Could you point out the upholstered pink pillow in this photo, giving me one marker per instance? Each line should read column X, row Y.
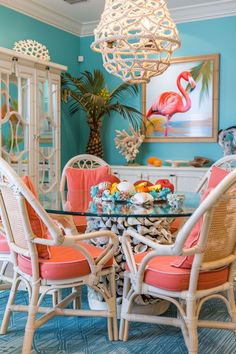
column 84, row 179
column 37, row 225
column 216, row 176
column 186, row 261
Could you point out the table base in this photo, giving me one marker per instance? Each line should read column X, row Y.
column 157, row 230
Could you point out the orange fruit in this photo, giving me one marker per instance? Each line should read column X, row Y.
column 151, row 160
column 157, row 163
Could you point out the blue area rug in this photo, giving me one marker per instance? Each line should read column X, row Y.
column 73, row 335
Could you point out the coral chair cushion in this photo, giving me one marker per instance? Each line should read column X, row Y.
column 64, row 263
column 38, row 227
column 161, row 274
column 83, row 179
column 216, row 176
column 186, row 261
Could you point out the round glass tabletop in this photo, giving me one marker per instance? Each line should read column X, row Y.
column 79, row 203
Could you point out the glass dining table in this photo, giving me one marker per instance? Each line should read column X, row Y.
column 153, row 221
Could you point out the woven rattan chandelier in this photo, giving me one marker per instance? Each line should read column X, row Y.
column 136, row 38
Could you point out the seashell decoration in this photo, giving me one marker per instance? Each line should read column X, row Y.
column 128, row 145
column 142, row 198
column 176, row 200
column 32, row 48
column 126, row 187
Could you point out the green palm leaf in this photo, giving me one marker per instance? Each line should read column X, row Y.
column 89, row 93
column 202, row 72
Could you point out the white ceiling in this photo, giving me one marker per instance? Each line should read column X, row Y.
column 81, row 18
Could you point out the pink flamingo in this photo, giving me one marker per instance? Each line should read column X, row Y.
column 170, row 103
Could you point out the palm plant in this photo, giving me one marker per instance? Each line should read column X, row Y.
column 90, row 93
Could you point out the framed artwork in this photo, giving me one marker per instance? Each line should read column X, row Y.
column 181, row 105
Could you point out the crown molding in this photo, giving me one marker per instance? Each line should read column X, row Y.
column 209, row 10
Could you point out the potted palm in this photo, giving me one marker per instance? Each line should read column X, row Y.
column 90, row 93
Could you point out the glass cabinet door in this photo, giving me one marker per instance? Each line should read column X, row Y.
column 47, row 142
column 16, row 110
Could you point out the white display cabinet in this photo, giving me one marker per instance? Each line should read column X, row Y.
column 185, row 179
column 30, row 117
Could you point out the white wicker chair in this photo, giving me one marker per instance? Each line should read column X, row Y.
column 22, row 243
column 215, row 249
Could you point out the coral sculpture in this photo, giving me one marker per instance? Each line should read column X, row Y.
column 128, row 145
column 32, row 48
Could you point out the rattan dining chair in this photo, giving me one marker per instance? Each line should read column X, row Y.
column 82, row 162
column 208, row 275
column 72, row 261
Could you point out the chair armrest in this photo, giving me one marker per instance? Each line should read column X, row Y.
column 65, row 222
column 106, row 254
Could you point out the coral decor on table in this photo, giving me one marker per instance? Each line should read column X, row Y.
column 142, row 192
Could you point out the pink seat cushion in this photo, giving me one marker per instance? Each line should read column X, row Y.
column 83, row 179
column 38, row 227
column 64, row 263
column 4, row 248
column 161, row 274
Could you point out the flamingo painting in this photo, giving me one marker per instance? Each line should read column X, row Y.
column 170, row 103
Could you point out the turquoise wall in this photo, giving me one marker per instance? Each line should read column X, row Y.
column 202, row 37
column 63, row 49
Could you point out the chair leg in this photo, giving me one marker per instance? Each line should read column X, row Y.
column 10, row 302
column 124, row 324
column 113, row 295
column 231, row 299
column 77, row 300
column 30, row 326
column 191, row 322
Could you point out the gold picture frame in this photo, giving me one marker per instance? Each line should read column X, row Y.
column 171, row 115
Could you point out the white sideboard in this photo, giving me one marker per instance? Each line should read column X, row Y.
column 185, row 179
